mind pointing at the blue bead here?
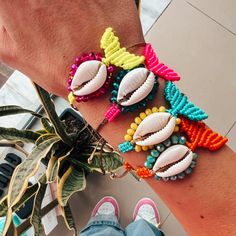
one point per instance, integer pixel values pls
(188, 171)
(157, 177)
(182, 140)
(167, 142)
(155, 153)
(181, 175)
(174, 139)
(160, 147)
(151, 159)
(148, 165)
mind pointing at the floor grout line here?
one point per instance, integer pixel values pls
(217, 22)
(163, 222)
(231, 127)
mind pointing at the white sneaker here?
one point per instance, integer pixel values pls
(146, 209)
(106, 206)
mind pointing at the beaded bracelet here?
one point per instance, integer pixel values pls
(157, 127)
(90, 75)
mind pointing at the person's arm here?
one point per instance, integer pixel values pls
(42, 38)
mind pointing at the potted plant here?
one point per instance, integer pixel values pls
(70, 148)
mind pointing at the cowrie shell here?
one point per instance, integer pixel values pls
(173, 161)
(135, 86)
(154, 129)
(89, 77)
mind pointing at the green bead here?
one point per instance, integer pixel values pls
(193, 164)
(157, 177)
(150, 97)
(148, 165)
(160, 148)
(167, 142)
(114, 93)
(155, 153)
(113, 99)
(151, 159)
(165, 178)
(118, 78)
(188, 171)
(173, 178)
(182, 140)
(181, 175)
(174, 139)
(195, 156)
(115, 86)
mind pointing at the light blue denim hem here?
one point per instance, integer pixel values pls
(103, 220)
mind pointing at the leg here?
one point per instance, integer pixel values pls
(146, 220)
(104, 219)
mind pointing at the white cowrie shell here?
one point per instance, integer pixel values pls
(173, 154)
(159, 125)
(139, 82)
(92, 74)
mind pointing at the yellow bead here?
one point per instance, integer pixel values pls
(71, 98)
(133, 126)
(144, 148)
(128, 137)
(154, 109)
(162, 109)
(176, 129)
(137, 120)
(178, 121)
(151, 146)
(148, 112)
(138, 148)
(142, 115)
(130, 132)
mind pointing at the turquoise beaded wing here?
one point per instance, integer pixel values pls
(180, 105)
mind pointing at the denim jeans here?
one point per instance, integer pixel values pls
(103, 225)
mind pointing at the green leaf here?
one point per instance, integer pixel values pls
(30, 191)
(71, 182)
(36, 216)
(68, 217)
(47, 126)
(18, 135)
(27, 169)
(108, 162)
(14, 110)
(52, 115)
(54, 164)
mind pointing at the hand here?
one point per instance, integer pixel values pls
(41, 38)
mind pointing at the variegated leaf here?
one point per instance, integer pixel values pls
(36, 217)
(52, 115)
(69, 219)
(14, 110)
(46, 125)
(26, 169)
(18, 135)
(72, 181)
